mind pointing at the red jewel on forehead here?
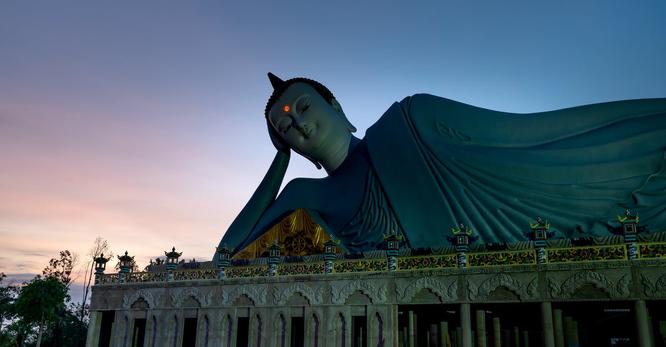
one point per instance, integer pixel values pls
(286, 108)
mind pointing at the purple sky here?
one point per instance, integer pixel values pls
(142, 122)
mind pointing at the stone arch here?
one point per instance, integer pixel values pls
(206, 328)
(257, 326)
(376, 291)
(243, 300)
(282, 295)
(340, 330)
(589, 291)
(406, 292)
(280, 329)
(140, 303)
(298, 299)
(130, 299)
(190, 301)
(377, 332)
(502, 282)
(579, 279)
(358, 297)
(503, 293)
(255, 294)
(181, 295)
(314, 327)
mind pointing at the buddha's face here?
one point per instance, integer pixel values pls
(307, 123)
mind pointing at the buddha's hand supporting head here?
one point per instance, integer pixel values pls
(303, 115)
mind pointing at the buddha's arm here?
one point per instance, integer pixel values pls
(299, 193)
(262, 198)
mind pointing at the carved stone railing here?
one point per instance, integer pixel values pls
(581, 254)
(587, 253)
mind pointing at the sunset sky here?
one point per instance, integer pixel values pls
(142, 121)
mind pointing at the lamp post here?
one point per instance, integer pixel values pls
(100, 266)
(126, 264)
(392, 246)
(629, 230)
(330, 248)
(223, 261)
(539, 234)
(462, 238)
(172, 262)
(273, 258)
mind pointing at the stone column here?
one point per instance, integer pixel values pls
(466, 325)
(95, 324)
(412, 329)
(547, 324)
(570, 333)
(120, 329)
(481, 328)
(559, 328)
(652, 340)
(642, 324)
(497, 332)
(443, 333)
(526, 338)
(516, 337)
(150, 329)
(434, 338)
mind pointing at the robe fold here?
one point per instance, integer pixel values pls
(442, 163)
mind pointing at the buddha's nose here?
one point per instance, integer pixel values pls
(303, 127)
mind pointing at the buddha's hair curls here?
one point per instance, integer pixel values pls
(320, 88)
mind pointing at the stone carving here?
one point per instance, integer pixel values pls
(660, 286)
(314, 296)
(569, 287)
(375, 290)
(131, 297)
(179, 295)
(256, 293)
(405, 290)
(532, 288)
(500, 280)
(656, 289)
(623, 286)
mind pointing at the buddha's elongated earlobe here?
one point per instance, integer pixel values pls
(336, 106)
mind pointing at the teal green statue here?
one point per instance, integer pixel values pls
(431, 163)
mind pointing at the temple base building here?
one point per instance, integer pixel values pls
(293, 288)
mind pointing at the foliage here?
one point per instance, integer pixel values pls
(40, 302)
(153, 265)
(36, 312)
(61, 269)
(68, 330)
(100, 246)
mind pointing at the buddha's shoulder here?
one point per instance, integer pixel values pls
(425, 99)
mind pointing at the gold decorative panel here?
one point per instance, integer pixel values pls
(297, 234)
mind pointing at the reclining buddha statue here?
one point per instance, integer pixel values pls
(430, 163)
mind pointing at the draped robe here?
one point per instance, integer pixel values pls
(430, 163)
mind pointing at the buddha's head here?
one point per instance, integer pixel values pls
(302, 114)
